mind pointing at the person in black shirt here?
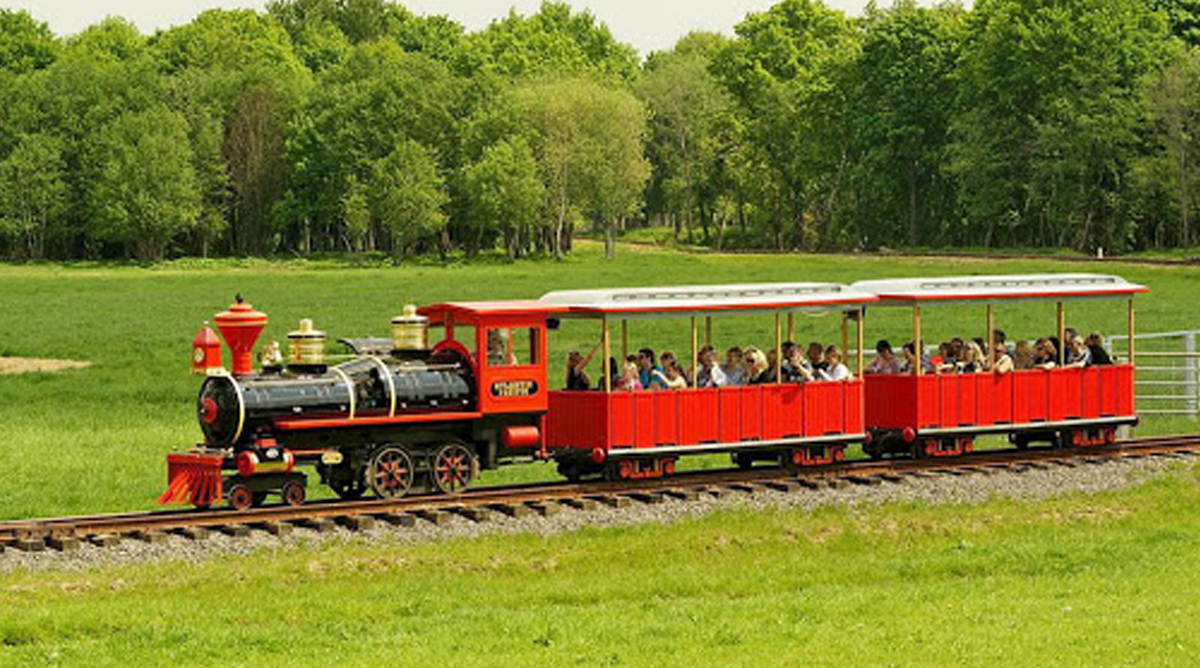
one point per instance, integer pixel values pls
(577, 378)
(1100, 356)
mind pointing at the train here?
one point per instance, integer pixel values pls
(408, 414)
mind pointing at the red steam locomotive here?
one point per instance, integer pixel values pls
(402, 416)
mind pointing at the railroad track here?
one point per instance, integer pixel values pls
(479, 505)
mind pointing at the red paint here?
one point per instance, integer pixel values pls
(206, 351)
(240, 327)
(520, 437)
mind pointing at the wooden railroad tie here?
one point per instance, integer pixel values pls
(837, 483)
(545, 509)
(614, 501)
(151, 537)
(235, 530)
(405, 520)
(65, 543)
(356, 522)
(436, 517)
(194, 533)
(649, 498)
(582, 503)
(279, 529)
(746, 487)
(514, 510)
(105, 540)
(318, 524)
(717, 492)
(894, 478)
(474, 513)
(682, 494)
(27, 544)
(864, 480)
(809, 483)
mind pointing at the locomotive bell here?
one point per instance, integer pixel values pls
(306, 346)
(240, 326)
(410, 331)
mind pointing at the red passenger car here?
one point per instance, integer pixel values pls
(930, 414)
(640, 434)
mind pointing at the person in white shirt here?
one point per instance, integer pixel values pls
(834, 369)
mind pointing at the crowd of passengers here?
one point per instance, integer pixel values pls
(959, 356)
(748, 366)
(751, 366)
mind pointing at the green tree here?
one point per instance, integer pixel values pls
(902, 99)
(1183, 16)
(25, 43)
(32, 192)
(786, 71)
(144, 192)
(505, 192)
(1170, 172)
(408, 196)
(1048, 118)
(356, 211)
(688, 109)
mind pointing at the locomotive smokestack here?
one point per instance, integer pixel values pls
(240, 327)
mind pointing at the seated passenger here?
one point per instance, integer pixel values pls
(672, 379)
(794, 369)
(885, 361)
(1100, 356)
(816, 357)
(946, 361)
(629, 381)
(910, 355)
(1045, 354)
(972, 359)
(710, 374)
(735, 373)
(646, 367)
(1078, 356)
(1023, 356)
(497, 349)
(1004, 361)
(834, 369)
(758, 372)
(665, 360)
(1058, 349)
(577, 378)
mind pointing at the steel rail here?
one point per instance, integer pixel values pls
(142, 523)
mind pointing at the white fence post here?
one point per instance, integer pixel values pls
(1189, 376)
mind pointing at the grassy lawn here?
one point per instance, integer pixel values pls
(1102, 580)
(94, 439)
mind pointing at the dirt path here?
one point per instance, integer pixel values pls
(16, 365)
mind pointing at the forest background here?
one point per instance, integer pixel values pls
(358, 127)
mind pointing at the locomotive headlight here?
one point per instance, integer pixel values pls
(331, 458)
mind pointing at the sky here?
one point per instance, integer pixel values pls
(648, 25)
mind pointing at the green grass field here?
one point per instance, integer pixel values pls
(1078, 581)
(1102, 580)
(94, 440)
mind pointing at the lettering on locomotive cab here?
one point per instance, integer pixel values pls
(514, 388)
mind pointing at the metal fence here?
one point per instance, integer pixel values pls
(1168, 368)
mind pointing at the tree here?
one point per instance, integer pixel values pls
(25, 44)
(505, 192)
(408, 196)
(1048, 117)
(1172, 168)
(32, 192)
(144, 191)
(687, 109)
(902, 98)
(786, 71)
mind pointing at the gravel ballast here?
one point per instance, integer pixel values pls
(1028, 485)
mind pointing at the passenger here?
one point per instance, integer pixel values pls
(910, 356)
(1023, 356)
(1078, 356)
(497, 349)
(1058, 349)
(945, 361)
(885, 362)
(957, 350)
(735, 373)
(758, 372)
(1069, 335)
(629, 381)
(834, 369)
(646, 367)
(816, 357)
(1100, 356)
(665, 360)
(1003, 362)
(794, 369)
(711, 374)
(577, 378)
(1045, 354)
(972, 361)
(672, 379)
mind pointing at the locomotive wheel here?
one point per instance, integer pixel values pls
(454, 468)
(240, 497)
(390, 473)
(293, 494)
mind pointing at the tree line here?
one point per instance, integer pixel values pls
(356, 126)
